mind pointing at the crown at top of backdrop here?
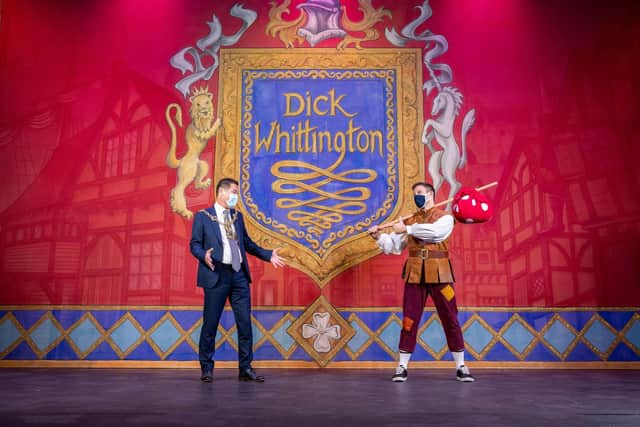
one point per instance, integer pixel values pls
(323, 140)
(323, 21)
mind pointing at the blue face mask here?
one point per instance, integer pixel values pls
(420, 199)
(233, 200)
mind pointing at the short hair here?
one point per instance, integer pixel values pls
(225, 183)
(426, 185)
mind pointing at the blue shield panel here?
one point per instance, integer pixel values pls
(319, 152)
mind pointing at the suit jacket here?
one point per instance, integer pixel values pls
(205, 234)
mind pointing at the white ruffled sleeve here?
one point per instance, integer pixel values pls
(392, 243)
(435, 232)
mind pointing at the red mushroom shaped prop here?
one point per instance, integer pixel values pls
(471, 206)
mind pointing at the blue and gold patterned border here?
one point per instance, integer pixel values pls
(170, 334)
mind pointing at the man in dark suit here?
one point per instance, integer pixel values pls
(220, 242)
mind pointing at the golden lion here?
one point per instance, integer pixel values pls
(190, 167)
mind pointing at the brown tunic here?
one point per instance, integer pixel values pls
(429, 261)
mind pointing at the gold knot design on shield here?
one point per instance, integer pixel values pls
(311, 186)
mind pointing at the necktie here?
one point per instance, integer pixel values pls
(233, 242)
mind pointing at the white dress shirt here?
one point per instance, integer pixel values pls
(226, 248)
(435, 232)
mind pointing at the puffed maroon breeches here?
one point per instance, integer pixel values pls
(443, 295)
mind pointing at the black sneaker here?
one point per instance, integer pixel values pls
(462, 374)
(400, 376)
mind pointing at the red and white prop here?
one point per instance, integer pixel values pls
(471, 206)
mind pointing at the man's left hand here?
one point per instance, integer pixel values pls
(277, 260)
(399, 227)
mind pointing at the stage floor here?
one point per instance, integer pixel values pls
(328, 397)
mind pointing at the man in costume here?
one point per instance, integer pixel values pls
(427, 272)
(220, 242)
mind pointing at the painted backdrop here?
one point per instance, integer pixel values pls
(328, 112)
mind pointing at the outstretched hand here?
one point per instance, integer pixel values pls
(277, 260)
(208, 260)
(374, 232)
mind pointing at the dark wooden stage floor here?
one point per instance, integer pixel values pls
(330, 397)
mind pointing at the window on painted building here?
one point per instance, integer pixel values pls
(145, 268)
(177, 267)
(121, 153)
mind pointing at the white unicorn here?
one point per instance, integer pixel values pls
(446, 106)
(444, 162)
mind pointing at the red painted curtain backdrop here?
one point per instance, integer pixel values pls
(84, 199)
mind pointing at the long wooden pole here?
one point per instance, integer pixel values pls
(444, 202)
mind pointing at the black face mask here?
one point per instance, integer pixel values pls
(420, 200)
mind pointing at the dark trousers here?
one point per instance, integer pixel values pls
(235, 287)
(415, 296)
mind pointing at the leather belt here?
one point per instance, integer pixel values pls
(427, 253)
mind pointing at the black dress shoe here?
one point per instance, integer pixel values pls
(250, 375)
(206, 377)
